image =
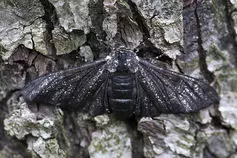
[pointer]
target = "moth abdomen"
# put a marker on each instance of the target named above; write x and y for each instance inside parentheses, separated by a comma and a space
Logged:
(122, 94)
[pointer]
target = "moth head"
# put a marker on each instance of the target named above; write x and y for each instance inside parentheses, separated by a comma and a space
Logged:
(122, 60)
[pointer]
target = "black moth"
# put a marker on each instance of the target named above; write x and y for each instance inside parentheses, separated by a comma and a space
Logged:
(124, 85)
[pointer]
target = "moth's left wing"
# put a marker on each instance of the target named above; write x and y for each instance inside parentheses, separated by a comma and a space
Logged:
(164, 91)
(72, 88)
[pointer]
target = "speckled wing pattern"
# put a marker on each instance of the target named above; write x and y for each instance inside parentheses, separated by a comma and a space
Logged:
(164, 91)
(73, 88)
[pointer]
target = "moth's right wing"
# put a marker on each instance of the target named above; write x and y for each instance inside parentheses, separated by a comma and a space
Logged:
(163, 91)
(81, 88)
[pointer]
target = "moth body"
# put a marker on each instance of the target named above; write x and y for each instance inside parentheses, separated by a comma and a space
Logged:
(124, 85)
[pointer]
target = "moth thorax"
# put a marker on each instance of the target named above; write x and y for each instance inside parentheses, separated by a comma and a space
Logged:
(122, 62)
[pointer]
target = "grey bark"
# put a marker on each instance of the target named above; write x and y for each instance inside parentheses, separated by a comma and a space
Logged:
(41, 36)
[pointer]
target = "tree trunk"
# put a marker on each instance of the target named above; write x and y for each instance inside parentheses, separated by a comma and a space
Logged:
(41, 36)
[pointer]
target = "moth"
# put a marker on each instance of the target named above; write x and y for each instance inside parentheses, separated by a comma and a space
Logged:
(122, 84)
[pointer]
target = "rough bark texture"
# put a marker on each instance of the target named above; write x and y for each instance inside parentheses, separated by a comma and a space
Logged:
(41, 36)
